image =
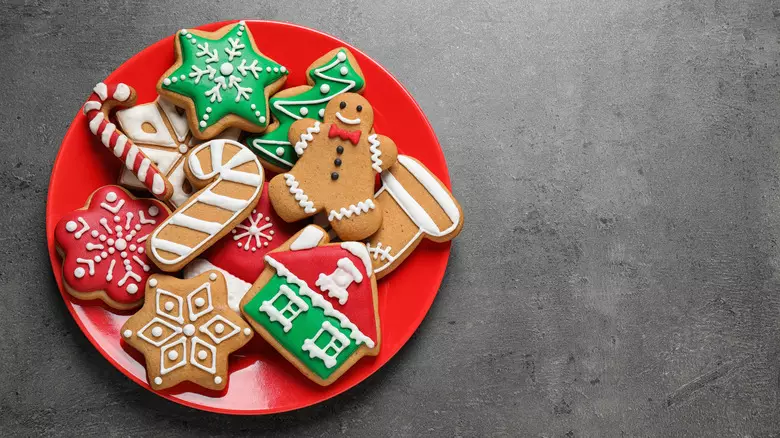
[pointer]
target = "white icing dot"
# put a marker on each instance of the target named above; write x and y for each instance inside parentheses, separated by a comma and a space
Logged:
(111, 196)
(153, 210)
(283, 69)
(202, 355)
(97, 258)
(110, 242)
(268, 69)
(254, 249)
(111, 250)
(341, 56)
(343, 71)
(247, 331)
(202, 124)
(153, 282)
(212, 276)
(322, 112)
(304, 111)
(205, 116)
(219, 328)
(172, 355)
(208, 109)
(217, 380)
(169, 306)
(157, 332)
(141, 250)
(189, 329)
(199, 302)
(102, 237)
(183, 148)
(262, 119)
(104, 254)
(127, 333)
(324, 88)
(132, 289)
(226, 68)
(258, 113)
(166, 81)
(79, 272)
(238, 244)
(276, 69)
(137, 227)
(239, 33)
(174, 79)
(117, 219)
(279, 151)
(71, 226)
(132, 247)
(94, 233)
(253, 106)
(120, 244)
(158, 380)
(126, 262)
(189, 35)
(184, 31)
(182, 77)
(123, 254)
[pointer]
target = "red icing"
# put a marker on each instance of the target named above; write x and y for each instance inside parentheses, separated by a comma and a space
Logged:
(73, 249)
(242, 256)
(308, 264)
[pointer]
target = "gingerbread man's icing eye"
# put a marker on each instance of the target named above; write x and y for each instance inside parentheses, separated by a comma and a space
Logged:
(343, 104)
(359, 108)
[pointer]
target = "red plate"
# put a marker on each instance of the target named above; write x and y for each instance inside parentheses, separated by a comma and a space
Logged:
(261, 381)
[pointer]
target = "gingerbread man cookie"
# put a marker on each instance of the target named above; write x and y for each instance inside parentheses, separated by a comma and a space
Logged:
(316, 303)
(222, 80)
(102, 246)
(186, 331)
(415, 205)
(335, 173)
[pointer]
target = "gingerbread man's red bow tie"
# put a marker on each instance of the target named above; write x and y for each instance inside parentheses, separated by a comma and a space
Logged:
(353, 136)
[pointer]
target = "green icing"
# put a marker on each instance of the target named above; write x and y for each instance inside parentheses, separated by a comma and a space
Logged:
(222, 77)
(304, 326)
(327, 77)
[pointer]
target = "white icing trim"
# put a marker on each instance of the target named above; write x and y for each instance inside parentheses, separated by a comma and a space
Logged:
(433, 186)
(237, 287)
(358, 250)
(360, 208)
(310, 345)
(131, 121)
(309, 238)
(337, 283)
(300, 196)
(318, 301)
(409, 205)
(306, 137)
(122, 92)
(346, 120)
(277, 315)
(376, 162)
(101, 90)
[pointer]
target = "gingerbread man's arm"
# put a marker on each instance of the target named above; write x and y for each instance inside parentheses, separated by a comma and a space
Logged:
(301, 133)
(383, 156)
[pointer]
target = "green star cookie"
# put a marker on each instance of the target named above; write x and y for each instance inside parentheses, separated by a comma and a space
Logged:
(222, 80)
(334, 73)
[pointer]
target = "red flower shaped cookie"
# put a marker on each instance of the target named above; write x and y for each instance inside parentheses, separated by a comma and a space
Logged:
(102, 246)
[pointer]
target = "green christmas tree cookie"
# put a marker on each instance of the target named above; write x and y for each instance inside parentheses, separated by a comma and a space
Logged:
(334, 73)
(222, 80)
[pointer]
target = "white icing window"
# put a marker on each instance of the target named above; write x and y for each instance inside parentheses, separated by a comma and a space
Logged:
(338, 342)
(337, 283)
(288, 312)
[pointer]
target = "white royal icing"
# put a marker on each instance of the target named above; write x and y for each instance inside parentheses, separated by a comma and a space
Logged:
(346, 120)
(309, 238)
(300, 196)
(306, 137)
(376, 162)
(354, 209)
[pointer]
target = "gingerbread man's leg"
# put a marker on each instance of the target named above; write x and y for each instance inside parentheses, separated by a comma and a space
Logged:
(358, 225)
(289, 199)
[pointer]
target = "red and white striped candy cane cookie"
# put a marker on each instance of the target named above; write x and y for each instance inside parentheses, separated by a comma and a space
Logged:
(97, 108)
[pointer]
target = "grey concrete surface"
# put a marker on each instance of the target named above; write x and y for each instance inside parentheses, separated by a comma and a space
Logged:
(618, 163)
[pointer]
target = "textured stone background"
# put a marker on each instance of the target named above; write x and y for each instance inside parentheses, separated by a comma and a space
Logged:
(618, 165)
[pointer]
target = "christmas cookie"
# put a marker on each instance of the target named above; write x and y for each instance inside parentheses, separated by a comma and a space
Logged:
(103, 99)
(316, 303)
(240, 254)
(160, 131)
(334, 73)
(102, 246)
(415, 205)
(230, 180)
(186, 331)
(335, 173)
(222, 80)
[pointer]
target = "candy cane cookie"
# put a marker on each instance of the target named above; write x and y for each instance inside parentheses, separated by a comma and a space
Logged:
(230, 179)
(100, 102)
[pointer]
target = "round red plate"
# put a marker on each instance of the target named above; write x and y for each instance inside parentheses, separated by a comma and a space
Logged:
(260, 381)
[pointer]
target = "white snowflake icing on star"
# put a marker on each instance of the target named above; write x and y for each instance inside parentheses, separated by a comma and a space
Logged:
(255, 232)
